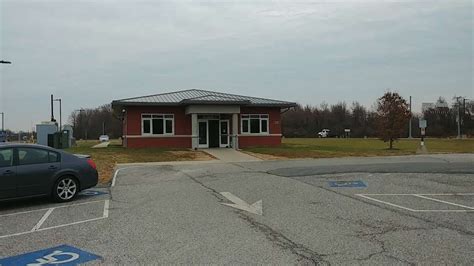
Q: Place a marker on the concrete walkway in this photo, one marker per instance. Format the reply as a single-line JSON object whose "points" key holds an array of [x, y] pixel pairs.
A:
{"points": [[101, 145], [230, 155]]}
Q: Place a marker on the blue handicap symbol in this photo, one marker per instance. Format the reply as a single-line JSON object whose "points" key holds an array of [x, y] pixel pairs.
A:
{"points": [[60, 255], [91, 192], [357, 183]]}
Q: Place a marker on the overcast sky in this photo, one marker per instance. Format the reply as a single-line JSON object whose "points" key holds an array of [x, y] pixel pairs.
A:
{"points": [[91, 52]]}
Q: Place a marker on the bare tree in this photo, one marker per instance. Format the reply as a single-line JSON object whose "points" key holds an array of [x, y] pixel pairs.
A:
{"points": [[392, 116]]}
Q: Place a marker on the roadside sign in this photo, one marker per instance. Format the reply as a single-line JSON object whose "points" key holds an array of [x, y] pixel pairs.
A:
{"points": [[422, 123], [423, 131], [60, 255], [356, 183]]}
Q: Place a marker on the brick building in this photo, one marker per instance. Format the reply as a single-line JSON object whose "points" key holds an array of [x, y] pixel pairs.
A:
{"points": [[200, 119]]}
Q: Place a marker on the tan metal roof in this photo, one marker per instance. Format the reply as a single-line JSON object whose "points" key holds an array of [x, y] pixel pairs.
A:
{"points": [[195, 96]]}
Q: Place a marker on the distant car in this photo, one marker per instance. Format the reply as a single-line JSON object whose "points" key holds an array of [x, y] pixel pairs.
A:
{"points": [[28, 170], [325, 133], [3, 136], [104, 138]]}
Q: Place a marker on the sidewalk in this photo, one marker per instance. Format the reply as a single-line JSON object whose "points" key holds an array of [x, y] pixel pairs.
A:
{"points": [[230, 155], [101, 145]]}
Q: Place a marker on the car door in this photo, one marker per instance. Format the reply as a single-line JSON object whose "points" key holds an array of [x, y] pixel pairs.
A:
{"points": [[7, 174], [35, 171]]}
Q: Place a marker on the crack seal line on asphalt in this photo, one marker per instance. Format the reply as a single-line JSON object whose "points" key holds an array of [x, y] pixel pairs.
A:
{"points": [[271, 234], [447, 226], [286, 243]]}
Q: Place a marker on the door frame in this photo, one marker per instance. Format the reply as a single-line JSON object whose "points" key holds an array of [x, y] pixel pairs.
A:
{"points": [[206, 146], [220, 133], [207, 133]]}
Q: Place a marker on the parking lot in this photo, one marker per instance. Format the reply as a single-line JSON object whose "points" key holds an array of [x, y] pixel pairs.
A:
{"points": [[414, 209]]}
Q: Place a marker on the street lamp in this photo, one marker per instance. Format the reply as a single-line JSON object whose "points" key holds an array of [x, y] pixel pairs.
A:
{"points": [[3, 115], [82, 111], [60, 114]]}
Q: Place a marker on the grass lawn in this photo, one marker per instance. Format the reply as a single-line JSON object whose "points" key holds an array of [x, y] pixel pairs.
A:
{"points": [[325, 148], [107, 158]]}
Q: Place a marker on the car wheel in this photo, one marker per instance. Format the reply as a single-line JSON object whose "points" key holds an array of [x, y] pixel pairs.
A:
{"points": [[65, 189]]}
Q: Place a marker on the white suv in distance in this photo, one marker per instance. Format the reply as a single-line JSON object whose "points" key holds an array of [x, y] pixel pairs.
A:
{"points": [[104, 138]]}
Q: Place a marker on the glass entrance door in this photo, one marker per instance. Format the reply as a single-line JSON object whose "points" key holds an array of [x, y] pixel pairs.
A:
{"points": [[224, 133], [203, 136]]}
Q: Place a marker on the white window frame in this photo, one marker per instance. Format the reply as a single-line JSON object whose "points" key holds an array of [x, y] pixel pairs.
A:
{"points": [[157, 116], [248, 117]]}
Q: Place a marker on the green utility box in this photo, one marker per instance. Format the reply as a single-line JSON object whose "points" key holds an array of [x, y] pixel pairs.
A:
{"points": [[59, 140]]}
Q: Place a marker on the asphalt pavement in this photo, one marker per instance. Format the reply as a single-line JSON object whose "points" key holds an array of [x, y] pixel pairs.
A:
{"points": [[397, 210]]}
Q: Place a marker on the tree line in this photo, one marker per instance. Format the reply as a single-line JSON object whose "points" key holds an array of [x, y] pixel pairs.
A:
{"points": [[307, 121], [93, 122]]}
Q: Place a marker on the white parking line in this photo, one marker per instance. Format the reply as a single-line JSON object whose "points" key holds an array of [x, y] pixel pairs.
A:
{"points": [[42, 220], [423, 194], [120, 169], [37, 228], [106, 209], [56, 207], [384, 202], [115, 176], [469, 209], [443, 201]]}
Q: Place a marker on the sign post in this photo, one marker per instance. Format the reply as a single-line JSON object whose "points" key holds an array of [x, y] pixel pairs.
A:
{"points": [[422, 124]]}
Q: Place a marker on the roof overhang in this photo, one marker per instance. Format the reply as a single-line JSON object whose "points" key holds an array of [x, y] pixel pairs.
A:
{"points": [[212, 109], [119, 104]]}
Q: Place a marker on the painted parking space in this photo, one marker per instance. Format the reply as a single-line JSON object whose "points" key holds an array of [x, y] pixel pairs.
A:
{"points": [[20, 222], [425, 202], [26, 222], [60, 255]]}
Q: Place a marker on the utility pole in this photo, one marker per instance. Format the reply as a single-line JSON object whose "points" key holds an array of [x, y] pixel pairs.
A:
{"points": [[3, 121], [3, 114], [409, 122], [458, 116], [60, 114], [83, 122], [52, 109]]}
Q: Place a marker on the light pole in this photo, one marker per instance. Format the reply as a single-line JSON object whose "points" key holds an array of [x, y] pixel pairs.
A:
{"points": [[81, 114], [3, 114], [60, 114], [3, 126], [409, 122], [458, 116]]}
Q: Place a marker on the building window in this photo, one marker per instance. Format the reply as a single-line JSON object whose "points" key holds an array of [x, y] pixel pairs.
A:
{"points": [[254, 124], [157, 124]]}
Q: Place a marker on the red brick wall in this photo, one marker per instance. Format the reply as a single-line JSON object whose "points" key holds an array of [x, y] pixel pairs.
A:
{"points": [[182, 126], [165, 142], [254, 141], [274, 113], [274, 127], [182, 122]]}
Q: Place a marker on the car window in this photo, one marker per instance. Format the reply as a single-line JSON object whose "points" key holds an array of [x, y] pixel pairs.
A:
{"points": [[32, 156], [6, 157], [54, 157]]}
